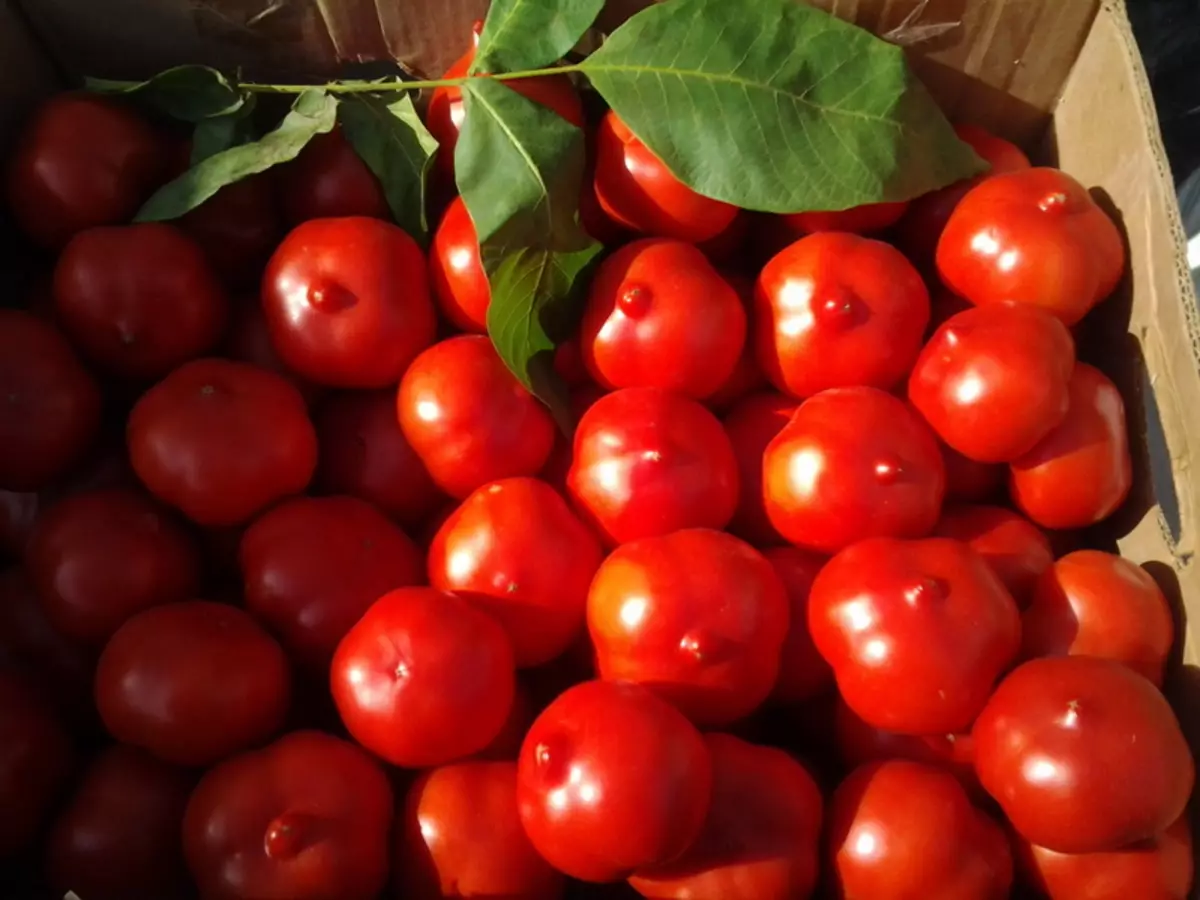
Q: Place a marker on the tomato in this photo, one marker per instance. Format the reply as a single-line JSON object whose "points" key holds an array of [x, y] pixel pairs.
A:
{"points": [[1091, 603], [307, 818], [971, 481], [900, 830], [221, 440], [313, 565], [747, 375], [659, 315], [423, 678], [591, 790], [852, 463], [637, 190], [555, 471], [506, 745], [347, 302], [1035, 236], [460, 284], [761, 838], [119, 837], [237, 228], [249, 341], [993, 381], [469, 419], [1083, 754], [1015, 549], [139, 300], [803, 672], [917, 632], [192, 682], [648, 462], [460, 836], [1080, 472], [866, 219], [51, 406], [751, 426], [58, 183], [328, 180]]}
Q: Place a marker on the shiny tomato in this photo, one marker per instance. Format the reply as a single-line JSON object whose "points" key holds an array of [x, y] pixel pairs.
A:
{"points": [[249, 341], [747, 375], [866, 219], [554, 472], [648, 462], [803, 672], [971, 481], [328, 180], [1015, 549], [852, 463], [307, 818], [591, 790], [237, 228], [221, 440], [456, 273], [751, 426], [1084, 755], [1034, 236]]}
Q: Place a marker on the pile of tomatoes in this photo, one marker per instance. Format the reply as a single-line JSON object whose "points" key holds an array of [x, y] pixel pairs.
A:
{"points": [[309, 598]]}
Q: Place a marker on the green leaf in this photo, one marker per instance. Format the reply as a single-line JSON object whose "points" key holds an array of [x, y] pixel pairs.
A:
{"points": [[391, 139], [776, 106], [211, 136], [528, 34], [313, 113], [188, 93]]}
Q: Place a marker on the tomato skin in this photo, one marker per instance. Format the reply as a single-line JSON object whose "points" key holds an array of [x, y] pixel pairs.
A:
{"points": [[971, 481], [469, 419], [460, 284], [659, 315], [747, 376], [1014, 548], [1034, 236], [648, 462], [852, 463], [328, 180], [51, 412], [1080, 472], [1053, 734], [751, 426], [249, 341], [590, 787], [866, 219], [306, 817], [803, 672], [237, 228], [221, 440], [761, 839], [917, 632]]}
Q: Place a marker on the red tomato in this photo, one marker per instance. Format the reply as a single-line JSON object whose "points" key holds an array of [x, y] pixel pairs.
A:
{"points": [[1080, 472], [307, 818], [51, 409], [119, 837], [852, 463], [192, 682], [221, 440], [18, 513], [648, 462], [469, 419], [866, 219], [347, 302], [506, 745], [993, 381], [917, 632], [751, 426], [1083, 754], [424, 678], [761, 839], [1015, 549], [900, 830], [803, 672], [1034, 236], [555, 471], [515, 549], [747, 375], [82, 161], [460, 836], [636, 189], [971, 481], [659, 315], [591, 790], [237, 228], [1091, 603], [249, 341], [328, 180], [460, 284]]}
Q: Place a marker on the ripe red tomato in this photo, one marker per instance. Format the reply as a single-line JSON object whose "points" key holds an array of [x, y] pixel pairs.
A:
{"points": [[221, 440], [460, 836], [192, 682], [59, 182], [992, 381], [460, 284], [1091, 603], [1080, 472], [747, 375], [1033, 235], [249, 340], [50, 412], [424, 678], [1083, 754], [648, 462], [237, 228], [866, 219], [803, 672], [751, 426], [591, 790], [554, 472], [644, 327], [761, 838], [328, 180], [1015, 549], [834, 310], [917, 632], [516, 550], [637, 190], [852, 463], [469, 419], [900, 830], [120, 835], [307, 817], [347, 302], [971, 481]]}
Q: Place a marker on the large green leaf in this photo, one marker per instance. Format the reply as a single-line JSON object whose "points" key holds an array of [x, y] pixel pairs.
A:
{"points": [[776, 106], [188, 93], [528, 34], [212, 135]]}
